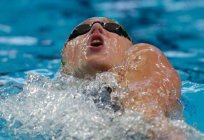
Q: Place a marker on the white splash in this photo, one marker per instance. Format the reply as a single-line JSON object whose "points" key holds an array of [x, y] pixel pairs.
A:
{"points": [[64, 108], [18, 40], [177, 54], [5, 28]]}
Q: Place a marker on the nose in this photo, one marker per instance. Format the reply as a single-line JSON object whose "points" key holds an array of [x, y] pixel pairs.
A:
{"points": [[97, 28]]}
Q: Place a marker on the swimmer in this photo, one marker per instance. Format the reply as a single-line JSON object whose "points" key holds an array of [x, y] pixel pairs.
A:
{"points": [[101, 45]]}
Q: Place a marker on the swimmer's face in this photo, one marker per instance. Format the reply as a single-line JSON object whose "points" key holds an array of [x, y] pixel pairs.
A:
{"points": [[96, 50]]}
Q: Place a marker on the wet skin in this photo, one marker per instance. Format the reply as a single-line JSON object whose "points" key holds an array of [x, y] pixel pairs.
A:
{"points": [[153, 86]]}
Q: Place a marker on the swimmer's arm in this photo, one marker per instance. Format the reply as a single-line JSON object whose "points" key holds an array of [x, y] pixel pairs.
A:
{"points": [[153, 87], [153, 84]]}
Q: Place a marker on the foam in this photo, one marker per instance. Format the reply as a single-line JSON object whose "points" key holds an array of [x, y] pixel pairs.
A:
{"points": [[61, 108]]}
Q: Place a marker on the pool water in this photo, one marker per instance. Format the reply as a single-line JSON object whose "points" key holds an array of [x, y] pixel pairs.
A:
{"points": [[32, 34]]}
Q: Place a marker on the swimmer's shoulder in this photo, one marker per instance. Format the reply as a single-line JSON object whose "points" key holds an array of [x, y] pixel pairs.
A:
{"points": [[144, 46], [148, 52]]}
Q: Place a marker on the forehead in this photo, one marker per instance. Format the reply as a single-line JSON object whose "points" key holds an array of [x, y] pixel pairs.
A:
{"points": [[91, 20]]}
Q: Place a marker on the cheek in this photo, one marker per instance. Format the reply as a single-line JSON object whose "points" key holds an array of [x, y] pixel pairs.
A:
{"points": [[115, 49], [124, 45], [120, 46], [78, 50], [68, 55], [112, 43]]}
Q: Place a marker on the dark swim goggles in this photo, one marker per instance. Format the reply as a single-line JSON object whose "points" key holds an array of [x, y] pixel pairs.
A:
{"points": [[111, 27]]}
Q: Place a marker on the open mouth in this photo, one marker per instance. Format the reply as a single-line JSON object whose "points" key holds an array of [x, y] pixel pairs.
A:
{"points": [[96, 41]]}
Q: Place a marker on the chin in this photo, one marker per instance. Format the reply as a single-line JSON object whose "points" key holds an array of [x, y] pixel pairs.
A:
{"points": [[99, 64]]}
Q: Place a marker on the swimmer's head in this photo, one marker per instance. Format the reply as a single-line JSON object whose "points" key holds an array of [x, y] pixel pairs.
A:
{"points": [[95, 45]]}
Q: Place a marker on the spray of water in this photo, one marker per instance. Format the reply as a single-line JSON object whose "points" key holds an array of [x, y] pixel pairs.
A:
{"points": [[72, 108]]}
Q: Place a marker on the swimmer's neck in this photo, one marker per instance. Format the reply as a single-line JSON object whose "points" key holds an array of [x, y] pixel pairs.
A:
{"points": [[91, 73], [86, 76]]}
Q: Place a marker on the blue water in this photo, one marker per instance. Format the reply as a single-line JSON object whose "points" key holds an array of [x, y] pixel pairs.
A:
{"points": [[32, 34]]}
